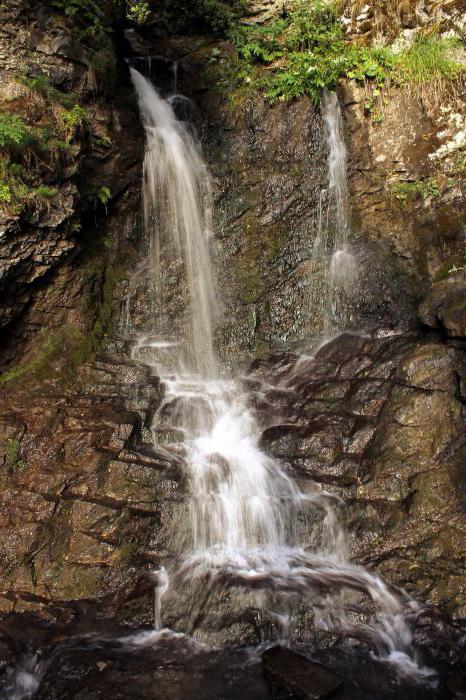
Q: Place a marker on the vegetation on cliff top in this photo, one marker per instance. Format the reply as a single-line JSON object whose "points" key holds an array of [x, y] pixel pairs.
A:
{"points": [[306, 52]]}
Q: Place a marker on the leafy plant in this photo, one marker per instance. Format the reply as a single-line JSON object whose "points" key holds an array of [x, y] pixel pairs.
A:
{"points": [[137, 11], [14, 132], [41, 84], [74, 118], [259, 43], [201, 16], [5, 193], [89, 21], [311, 54], [96, 194], [404, 192]]}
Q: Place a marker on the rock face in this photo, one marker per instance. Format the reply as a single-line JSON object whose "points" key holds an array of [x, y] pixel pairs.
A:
{"points": [[39, 239], [382, 423], [445, 306], [86, 499]]}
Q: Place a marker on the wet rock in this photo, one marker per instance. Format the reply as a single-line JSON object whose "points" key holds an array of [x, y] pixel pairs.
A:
{"points": [[390, 443], [445, 306], [295, 673]]}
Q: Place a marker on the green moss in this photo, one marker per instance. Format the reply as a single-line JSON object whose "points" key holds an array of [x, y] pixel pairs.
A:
{"points": [[68, 347], [12, 448], [405, 192], [262, 247]]}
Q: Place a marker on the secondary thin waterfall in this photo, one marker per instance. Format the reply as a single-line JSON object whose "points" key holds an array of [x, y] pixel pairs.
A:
{"points": [[332, 250], [248, 526]]}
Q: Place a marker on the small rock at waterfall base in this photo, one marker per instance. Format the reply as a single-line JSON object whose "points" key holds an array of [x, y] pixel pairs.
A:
{"points": [[295, 673]]}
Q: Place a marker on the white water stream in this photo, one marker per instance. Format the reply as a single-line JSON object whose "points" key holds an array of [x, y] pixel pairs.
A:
{"points": [[246, 514], [332, 251]]}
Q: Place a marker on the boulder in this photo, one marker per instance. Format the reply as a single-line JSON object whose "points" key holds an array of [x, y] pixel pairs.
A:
{"points": [[444, 307]]}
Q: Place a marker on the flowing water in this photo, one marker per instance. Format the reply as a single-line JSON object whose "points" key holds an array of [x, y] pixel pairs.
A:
{"points": [[332, 251], [250, 536], [249, 527]]}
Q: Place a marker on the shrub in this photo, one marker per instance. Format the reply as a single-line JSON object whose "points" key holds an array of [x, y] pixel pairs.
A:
{"points": [[42, 85], [73, 119], [137, 11], [258, 43], [201, 16], [89, 21], [312, 54], [14, 132]]}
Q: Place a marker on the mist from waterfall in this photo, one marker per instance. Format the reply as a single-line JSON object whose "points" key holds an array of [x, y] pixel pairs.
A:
{"points": [[332, 250], [248, 526]]}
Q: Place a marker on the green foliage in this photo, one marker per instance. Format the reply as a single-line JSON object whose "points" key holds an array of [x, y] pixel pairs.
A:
{"points": [[88, 19], [259, 43], [14, 132], [44, 192], [96, 194], [103, 194], [137, 11], [74, 118], [311, 54], [305, 74], [201, 16], [314, 26], [405, 192], [41, 84], [25, 149], [12, 187], [12, 448], [104, 64], [5, 193], [429, 58]]}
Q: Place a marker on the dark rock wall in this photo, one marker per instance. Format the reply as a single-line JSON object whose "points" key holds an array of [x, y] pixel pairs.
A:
{"points": [[42, 248]]}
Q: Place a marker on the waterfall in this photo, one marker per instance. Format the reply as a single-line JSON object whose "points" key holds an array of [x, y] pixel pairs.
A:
{"points": [[177, 215], [332, 251], [248, 525]]}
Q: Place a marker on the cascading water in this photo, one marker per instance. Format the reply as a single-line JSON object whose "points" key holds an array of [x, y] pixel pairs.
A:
{"points": [[251, 528], [332, 251]]}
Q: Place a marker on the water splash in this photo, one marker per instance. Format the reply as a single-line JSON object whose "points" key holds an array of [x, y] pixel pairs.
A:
{"points": [[248, 524], [23, 680]]}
